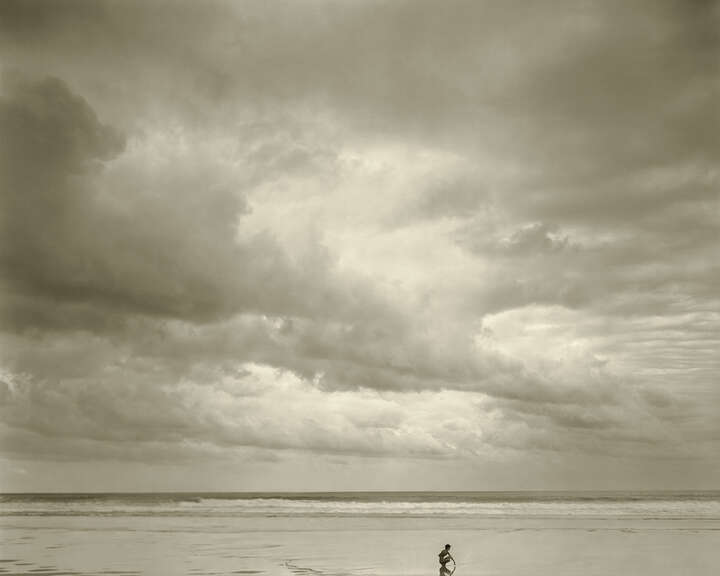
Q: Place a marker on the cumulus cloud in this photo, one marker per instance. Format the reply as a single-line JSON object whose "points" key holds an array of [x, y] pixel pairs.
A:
{"points": [[75, 234], [363, 231]]}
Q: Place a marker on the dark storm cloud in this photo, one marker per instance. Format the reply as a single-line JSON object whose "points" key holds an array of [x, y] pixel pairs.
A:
{"points": [[86, 254], [194, 217], [164, 245], [577, 94], [77, 259], [552, 72]]}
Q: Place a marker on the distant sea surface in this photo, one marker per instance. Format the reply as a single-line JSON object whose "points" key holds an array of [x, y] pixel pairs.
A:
{"points": [[361, 533]]}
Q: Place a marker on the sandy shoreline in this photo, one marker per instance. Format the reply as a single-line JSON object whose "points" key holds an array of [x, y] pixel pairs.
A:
{"points": [[355, 546]]}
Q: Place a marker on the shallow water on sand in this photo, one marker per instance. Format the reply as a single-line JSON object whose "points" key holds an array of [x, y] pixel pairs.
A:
{"points": [[309, 537]]}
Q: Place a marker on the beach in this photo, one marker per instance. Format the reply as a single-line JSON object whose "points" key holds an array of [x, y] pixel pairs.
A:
{"points": [[356, 534]]}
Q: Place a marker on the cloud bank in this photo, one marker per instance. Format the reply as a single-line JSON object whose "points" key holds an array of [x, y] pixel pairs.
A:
{"points": [[359, 244]]}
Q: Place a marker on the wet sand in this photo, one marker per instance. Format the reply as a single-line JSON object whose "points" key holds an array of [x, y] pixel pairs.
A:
{"points": [[350, 546]]}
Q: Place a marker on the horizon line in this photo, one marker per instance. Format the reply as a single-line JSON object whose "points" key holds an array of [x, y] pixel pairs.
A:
{"points": [[306, 492]]}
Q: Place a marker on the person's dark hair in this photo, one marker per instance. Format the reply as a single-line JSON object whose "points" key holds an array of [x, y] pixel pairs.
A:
{"points": [[447, 546]]}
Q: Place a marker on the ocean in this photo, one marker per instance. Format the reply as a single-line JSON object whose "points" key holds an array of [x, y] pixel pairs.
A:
{"points": [[361, 533]]}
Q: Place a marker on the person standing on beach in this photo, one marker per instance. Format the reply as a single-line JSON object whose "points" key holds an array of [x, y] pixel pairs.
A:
{"points": [[445, 556]]}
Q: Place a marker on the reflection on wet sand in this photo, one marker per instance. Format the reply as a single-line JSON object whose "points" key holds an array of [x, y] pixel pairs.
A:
{"points": [[13, 567], [445, 571]]}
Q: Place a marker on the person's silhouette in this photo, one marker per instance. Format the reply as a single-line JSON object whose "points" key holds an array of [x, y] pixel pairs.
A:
{"points": [[444, 558]]}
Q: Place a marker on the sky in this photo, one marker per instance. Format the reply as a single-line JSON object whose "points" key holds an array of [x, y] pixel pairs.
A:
{"points": [[359, 245]]}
